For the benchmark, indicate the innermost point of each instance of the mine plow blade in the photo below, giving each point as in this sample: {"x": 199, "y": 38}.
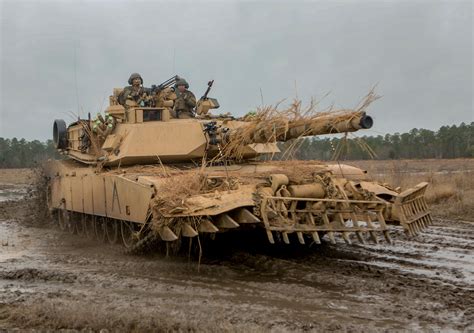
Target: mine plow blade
{"x": 206, "y": 226}
{"x": 244, "y": 216}
{"x": 188, "y": 231}
{"x": 313, "y": 217}
{"x": 412, "y": 211}
{"x": 224, "y": 221}
{"x": 167, "y": 234}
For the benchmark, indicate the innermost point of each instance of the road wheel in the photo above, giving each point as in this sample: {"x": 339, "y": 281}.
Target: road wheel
{"x": 112, "y": 231}
{"x": 100, "y": 226}
{"x": 89, "y": 226}
{"x": 127, "y": 231}
{"x": 63, "y": 219}
{"x": 72, "y": 222}
{"x": 81, "y": 224}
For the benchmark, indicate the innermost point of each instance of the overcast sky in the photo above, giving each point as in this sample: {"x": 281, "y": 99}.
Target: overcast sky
{"x": 59, "y": 58}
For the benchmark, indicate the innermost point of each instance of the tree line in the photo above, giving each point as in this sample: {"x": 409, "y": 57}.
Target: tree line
{"x": 16, "y": 153}
{"x": 447, "y": 142}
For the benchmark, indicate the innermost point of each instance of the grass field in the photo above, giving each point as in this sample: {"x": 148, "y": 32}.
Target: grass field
{"x": 17, "y": 176}
{"x": 451, "y": 190}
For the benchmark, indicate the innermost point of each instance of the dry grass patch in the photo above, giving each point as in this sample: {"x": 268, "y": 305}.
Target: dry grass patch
{"x": 440, "y": 193}
{"x": 451, "y": 190}
{"x": 17, "y": 176}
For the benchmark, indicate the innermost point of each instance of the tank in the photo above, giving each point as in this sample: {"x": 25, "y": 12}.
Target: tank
{"x": 136, "y": 174}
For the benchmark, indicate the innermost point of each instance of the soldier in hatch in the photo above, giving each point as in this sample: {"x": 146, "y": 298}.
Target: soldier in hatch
{"x": 185, "y": 101}
{"x": 135, "y": 91}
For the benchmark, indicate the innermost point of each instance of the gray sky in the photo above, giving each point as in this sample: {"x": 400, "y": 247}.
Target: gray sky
{"x": 419, "y": 52}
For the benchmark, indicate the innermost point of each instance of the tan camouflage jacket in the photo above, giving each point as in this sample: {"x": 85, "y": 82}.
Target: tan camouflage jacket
{"x": 185, "y": 102}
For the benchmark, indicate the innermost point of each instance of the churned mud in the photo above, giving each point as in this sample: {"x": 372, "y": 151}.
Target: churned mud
{"x": 53, "y": 280}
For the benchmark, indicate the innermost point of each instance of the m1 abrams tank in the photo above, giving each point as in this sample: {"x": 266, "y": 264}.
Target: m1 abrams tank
{"x": 136, "y": 175}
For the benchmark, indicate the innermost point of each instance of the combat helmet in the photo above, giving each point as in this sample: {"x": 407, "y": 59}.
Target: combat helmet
{"x": 181, "y": 81}
{"x": 134, "y": 76}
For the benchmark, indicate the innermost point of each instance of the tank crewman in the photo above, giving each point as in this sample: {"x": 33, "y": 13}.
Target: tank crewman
{"x": 135, "y": 91}
{"x": 185, "y": 101}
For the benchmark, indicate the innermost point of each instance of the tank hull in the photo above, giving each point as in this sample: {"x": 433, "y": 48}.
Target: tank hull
{"x": 306, "y": 200}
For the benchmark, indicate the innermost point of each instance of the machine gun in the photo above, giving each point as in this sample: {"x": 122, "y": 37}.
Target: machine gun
{"x": 206, "y": 103}
{"x": 166, "y": 84}
{"x": 209, "y": 86}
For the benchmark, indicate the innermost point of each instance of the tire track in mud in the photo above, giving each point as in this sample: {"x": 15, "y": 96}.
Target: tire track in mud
{"x": 437, "y": 258}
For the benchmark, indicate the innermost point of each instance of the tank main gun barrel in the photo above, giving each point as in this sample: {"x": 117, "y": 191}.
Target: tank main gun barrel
{"x": 329, "y": 124}
{"x": 284, "y": 129}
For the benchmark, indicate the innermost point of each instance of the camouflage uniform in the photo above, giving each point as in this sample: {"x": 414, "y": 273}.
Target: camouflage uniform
{"x": 133, "y": 92}
{"x": 185, "y": 101}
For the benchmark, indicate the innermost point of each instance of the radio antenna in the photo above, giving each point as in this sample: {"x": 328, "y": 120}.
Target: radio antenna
{"x": 75, "y": 80}
{"x": 174, "y": 60}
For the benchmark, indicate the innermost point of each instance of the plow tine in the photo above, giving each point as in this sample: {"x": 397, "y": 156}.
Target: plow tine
{"x": 430, "y": 220}
{"x": 415, "y": 227}
{"x": 331, "y": 237}
{"x": 422, "y": 224}
{"x": 373, "y": 236}
{"x": 387, "y": 237}
{"x": 300, "y": 237}
{"x": 316, "y": 237}
{"x": 345, "y": 236}
{"x": 427, "y": 220}
{"x": 285, "y": 237}
{"x": 360, "y": 238}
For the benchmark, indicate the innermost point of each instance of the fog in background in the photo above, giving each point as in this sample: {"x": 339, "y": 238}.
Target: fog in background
{"x": 59, "y": 58}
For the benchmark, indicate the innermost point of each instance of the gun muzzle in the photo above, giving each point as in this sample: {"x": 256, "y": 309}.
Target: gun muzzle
{"x": 366, "y": 122}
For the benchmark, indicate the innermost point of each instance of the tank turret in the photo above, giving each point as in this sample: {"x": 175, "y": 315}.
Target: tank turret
{"x": 133, "y": 134}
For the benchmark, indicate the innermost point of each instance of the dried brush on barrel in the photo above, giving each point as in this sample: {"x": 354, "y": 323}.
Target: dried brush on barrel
{"x": 271, "y": 124}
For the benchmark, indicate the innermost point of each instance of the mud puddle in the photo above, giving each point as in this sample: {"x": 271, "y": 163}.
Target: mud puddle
{"x": 52, "y": 280}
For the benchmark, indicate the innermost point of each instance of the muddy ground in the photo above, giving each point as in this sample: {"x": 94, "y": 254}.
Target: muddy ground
{"x": 52, "y": 280}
